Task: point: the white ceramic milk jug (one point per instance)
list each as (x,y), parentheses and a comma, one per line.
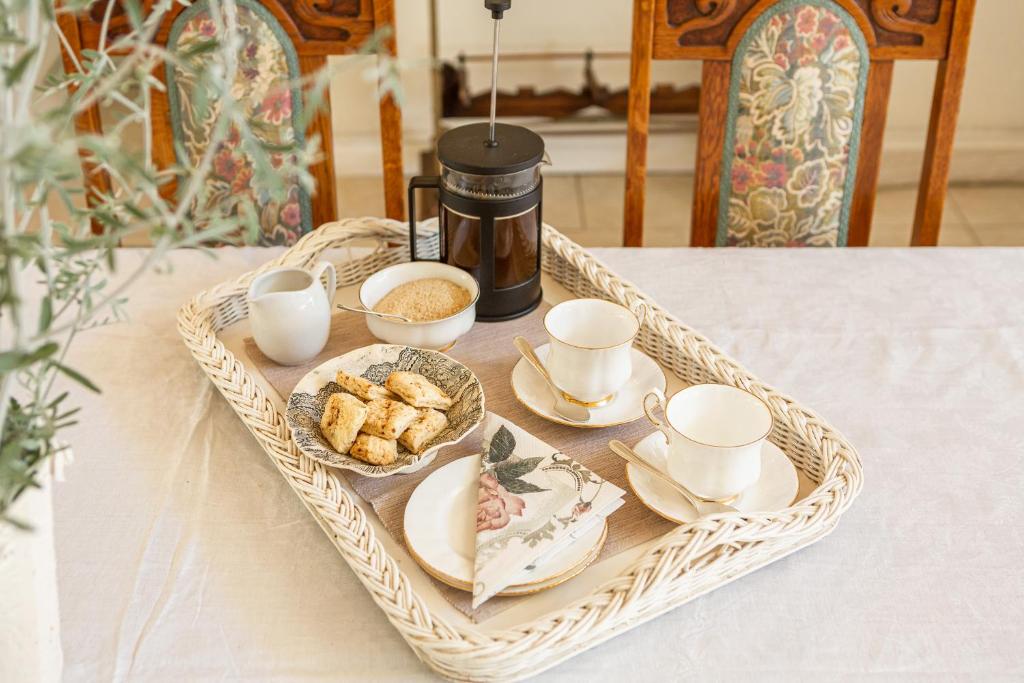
(290,312)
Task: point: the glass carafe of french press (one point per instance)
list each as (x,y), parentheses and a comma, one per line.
(490,206)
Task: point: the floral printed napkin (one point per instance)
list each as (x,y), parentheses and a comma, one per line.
(533,501)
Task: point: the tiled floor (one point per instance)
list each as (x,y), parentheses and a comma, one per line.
(588,208)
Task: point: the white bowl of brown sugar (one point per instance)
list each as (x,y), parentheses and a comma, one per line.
(439,300)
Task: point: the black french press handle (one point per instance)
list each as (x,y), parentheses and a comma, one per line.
(426,182)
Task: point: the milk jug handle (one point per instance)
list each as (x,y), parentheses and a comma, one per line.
(332,279)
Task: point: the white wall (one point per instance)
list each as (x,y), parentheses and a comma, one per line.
(990,141)
(990,134)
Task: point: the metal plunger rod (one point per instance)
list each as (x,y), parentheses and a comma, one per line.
(494,83)
(497,8)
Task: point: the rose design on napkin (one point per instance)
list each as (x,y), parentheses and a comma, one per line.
(495,505)
(500,479)
(531,500)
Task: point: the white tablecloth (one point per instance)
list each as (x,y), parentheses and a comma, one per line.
(182,555)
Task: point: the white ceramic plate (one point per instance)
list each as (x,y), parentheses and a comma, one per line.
(529,388)
(775,490)
(440,533)
(375,363)
(537,587)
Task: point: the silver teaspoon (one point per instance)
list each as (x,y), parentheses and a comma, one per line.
(569,411)
(703,507)
(356,309)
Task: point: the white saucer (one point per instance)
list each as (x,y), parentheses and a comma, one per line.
(775,490)
(529,388)
(440,533)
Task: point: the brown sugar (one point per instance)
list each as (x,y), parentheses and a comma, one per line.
(424,300)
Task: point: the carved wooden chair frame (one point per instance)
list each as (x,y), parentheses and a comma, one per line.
(709,30)
(316,30)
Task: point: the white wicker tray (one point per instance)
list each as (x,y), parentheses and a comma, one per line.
(681,565)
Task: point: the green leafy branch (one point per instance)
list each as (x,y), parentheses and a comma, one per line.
(59,278)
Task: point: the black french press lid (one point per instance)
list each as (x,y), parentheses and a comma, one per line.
(467,149)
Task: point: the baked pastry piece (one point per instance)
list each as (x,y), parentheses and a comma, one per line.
(417,391)
(428,424)
(374,450)
(343,417)
(361,387)
(387,419)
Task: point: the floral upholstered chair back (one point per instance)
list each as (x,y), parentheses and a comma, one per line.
(266,88)
(795,113)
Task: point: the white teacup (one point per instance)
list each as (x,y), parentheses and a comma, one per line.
(715,434)
(290,312)
(589,357)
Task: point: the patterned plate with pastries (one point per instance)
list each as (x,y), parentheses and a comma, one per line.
(384,409)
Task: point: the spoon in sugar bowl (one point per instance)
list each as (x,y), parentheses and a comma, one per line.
(386,316)
(569,411)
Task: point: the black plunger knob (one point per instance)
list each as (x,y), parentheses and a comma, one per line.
(498,7)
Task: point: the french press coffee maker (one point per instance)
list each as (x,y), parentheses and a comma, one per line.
(489,216)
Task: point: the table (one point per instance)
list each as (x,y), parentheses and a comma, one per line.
(182,554)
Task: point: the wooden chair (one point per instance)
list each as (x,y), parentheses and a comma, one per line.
(792,111)
(283,41)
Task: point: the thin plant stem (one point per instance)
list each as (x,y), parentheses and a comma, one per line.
(40,152)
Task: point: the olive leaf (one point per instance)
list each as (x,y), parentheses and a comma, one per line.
(13,360)
(14,72)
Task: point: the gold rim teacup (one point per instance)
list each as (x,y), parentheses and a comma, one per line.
(590,339)
(715,433)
